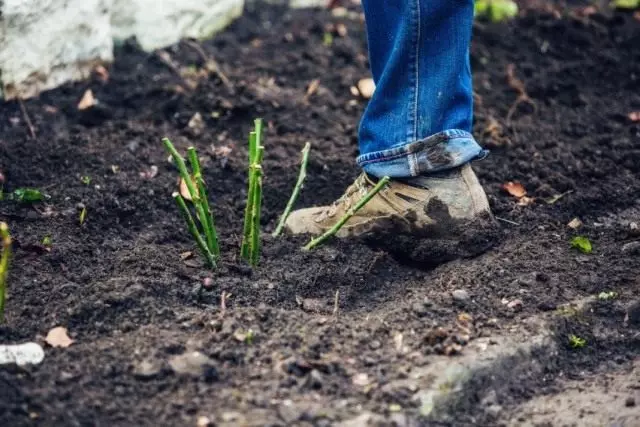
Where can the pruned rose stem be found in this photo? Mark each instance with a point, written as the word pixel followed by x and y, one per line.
pixel 296 190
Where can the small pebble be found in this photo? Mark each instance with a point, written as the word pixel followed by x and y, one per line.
pixel 419 309
pixel 631 248
pixel 515 305
pixel 460 295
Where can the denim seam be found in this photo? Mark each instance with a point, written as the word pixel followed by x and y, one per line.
pixel 417 77
pixel 411 130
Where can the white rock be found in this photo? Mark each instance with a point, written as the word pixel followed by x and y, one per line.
pixel 158 23
pixel 44 43
pixel 30 353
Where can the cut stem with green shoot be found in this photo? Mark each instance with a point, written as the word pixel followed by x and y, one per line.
pixel 250 248
pixel 296 190
pixel 338 225
pixel 196 188
pixel 5 254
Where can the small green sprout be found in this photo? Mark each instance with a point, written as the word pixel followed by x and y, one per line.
pixel 83 215
pixel 626 4
pixel 26 195
pixel 495 10
pixel 607 296
pixel 47 241
pixel 576 342
pixel 582 244
pixel 327 39
pixel 86 180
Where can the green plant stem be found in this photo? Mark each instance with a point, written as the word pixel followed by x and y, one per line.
pixel 191 225
pixel 248 210
pixel 182 168
pixel 4 265
pixel 206 220
pixel 212 238
pixel 255 217
pixel 331 232
pixel 296 190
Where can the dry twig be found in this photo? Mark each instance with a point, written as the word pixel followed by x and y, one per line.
pixel 523 97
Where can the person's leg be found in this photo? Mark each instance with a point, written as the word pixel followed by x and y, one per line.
pixel 416 128
pixel 419 118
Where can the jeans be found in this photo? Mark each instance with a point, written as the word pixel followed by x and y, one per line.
pixel 419 118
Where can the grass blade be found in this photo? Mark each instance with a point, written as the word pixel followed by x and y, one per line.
pixel 296 190
pixel 331 232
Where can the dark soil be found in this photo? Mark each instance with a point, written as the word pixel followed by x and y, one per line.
pixel 120 286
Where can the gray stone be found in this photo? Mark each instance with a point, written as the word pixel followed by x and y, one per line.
pixel 631 248
pixel 159 23
pixel 147 369
pixel 460 295
pixel 194 364
pixel 44 43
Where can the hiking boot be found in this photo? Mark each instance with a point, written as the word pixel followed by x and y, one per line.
pixel 430 206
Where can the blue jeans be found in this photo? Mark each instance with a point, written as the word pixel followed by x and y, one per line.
pixel 419 118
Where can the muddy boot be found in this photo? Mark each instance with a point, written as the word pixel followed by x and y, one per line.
pixel 439 207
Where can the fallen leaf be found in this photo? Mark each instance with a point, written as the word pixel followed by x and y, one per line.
pixel 634 116
pixel 582 244
pixel 102 73
pixel 366 87
pixel 515 189
pixel 184 190
pixel 575 223
pixel 57 337
pixel 186 255
pixel 87 100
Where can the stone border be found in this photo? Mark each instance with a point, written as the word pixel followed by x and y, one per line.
pixel 45 43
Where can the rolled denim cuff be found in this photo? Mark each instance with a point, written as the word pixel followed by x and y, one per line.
pixel 442 151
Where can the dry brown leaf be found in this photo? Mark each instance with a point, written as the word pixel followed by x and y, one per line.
pixel 184 190
pixel 515 189
pixel 634 116
pixel 102 73
pixel 87 101
pixel 57 337
pixel 366 87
